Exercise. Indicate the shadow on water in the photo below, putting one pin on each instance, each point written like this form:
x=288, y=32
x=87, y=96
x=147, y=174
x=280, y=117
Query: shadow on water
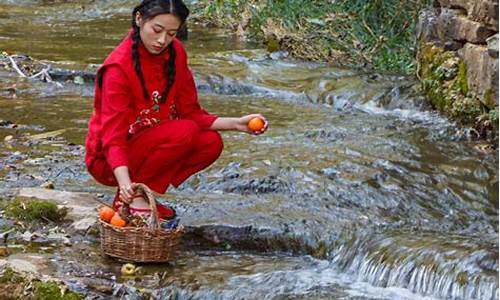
x=357, y=191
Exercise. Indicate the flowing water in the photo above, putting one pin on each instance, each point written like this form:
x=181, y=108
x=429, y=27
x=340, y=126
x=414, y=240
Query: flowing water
x=357, y=191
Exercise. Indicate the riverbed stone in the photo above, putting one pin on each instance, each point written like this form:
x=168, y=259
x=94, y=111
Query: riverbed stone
x=28, y=263
x=482, y=72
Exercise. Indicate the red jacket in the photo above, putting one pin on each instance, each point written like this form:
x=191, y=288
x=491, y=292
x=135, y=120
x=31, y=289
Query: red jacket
x=120, y=101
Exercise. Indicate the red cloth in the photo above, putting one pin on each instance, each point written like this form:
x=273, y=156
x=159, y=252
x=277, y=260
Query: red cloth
x=119, y=103
x=166, y=154
x=121, y=99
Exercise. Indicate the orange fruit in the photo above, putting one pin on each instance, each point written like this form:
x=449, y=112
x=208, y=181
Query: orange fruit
x=106, y=213
x=117, y=221
x=256, y=124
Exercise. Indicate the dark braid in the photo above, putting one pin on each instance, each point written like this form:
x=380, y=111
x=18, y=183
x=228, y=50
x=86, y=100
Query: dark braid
x=149, y=9
x=136, y=38
x=169, y=71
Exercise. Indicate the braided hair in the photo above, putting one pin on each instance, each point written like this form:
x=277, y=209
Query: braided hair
x=149, y=9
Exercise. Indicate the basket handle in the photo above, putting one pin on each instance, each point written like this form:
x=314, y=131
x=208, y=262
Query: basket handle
x=141, y=187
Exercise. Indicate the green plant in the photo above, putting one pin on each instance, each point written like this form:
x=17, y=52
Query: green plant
x=493, y=115
x=51, y=291
x=8, y=275
x=379, y=32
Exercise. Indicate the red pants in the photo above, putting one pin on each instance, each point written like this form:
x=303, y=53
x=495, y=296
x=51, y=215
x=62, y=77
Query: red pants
x=166, y=154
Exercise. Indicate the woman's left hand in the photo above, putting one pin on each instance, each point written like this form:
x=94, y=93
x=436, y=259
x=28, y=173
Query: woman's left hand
x=242, y=124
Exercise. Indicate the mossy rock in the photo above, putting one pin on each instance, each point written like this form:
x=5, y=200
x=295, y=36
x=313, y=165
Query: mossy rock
x=14, y=285
x=51, y=291
x=449, y=94
x=272, y=44
x=32, y=209
x=461, y=84
x=488, y=99
x=466, y=110
x=493, y=115
x=11, y=284
x=321, y=250
x=8, y=275
x=462, y=278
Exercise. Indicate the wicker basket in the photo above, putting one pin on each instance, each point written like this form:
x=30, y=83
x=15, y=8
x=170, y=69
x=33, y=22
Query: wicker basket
x=135, y=244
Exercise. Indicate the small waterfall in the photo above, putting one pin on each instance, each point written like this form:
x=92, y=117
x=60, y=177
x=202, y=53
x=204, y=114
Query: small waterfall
x=446, y=267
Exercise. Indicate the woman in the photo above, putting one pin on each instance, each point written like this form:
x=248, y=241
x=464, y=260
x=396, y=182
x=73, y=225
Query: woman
x=147, y=125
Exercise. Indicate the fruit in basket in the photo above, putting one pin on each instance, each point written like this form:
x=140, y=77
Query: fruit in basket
x=117, y=221
x=137, y=221
x=106, y=213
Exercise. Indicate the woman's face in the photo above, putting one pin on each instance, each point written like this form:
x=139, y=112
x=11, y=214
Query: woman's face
x=157, y=33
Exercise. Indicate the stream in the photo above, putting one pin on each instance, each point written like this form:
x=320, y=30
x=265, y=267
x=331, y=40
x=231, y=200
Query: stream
x=359, y=190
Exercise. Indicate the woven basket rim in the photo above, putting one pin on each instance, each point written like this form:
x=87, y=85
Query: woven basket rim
x=161, y=231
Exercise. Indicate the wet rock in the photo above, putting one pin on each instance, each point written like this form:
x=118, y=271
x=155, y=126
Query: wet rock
x=100, y=285
x=59, y=235
x=279, y=55
x=268, y=184
x=331, y=173
x=7, y=124
x=333, y=134
x=85, y=224
x=70, y=75
x=46, y=135
x=28, y=262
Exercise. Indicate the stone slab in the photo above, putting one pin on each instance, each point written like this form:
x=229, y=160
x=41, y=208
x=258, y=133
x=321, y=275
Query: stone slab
x=493, y=46
x=482, y=71
x=456, y=4
x=486, y=12
x=454, y=26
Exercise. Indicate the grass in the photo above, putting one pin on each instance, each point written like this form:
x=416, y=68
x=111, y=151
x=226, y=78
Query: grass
x=376, y=33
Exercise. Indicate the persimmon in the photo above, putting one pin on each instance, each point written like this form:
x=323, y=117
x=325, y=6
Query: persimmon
x=256, y=124
x=106, y=213
x=117, y=221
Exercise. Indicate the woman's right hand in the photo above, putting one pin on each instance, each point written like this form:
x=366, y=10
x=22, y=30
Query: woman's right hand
x=126, y=188
x=242, y=124
x=126, y=193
